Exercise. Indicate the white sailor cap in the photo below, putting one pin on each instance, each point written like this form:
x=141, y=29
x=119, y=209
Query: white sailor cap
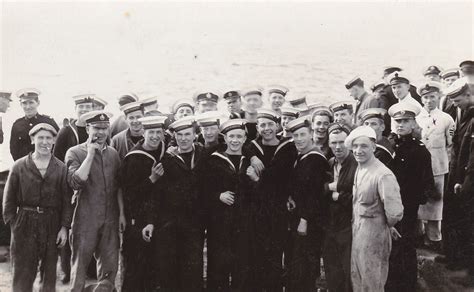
x=449, y=73
x=6, y=94
x=429, y=87
x=83, y=98
x=184, y=123
x=149, y=101
x=289, y=111
x=232, y=124
x=404, y=110
x=153, y=122
x=127, y=98
x=180, y=103
x=264, y=113
x=457, y=88
x=255, y=90
x=279, y=89
x=28, y=93
x=96, y=117
x=299, y=102
x=341, y=105
x=99, y=101
x=43, y=126
x=211, y=118
x=372, y=113
x=362, y=131
x=298, y=123
x=131, y=107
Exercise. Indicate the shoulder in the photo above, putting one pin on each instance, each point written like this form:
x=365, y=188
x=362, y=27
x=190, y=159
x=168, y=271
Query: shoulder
x=20, y=163
x=120, y=135
x=19, y=122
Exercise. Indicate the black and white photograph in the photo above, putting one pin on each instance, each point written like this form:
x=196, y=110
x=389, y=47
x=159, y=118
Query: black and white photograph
x=236, y=146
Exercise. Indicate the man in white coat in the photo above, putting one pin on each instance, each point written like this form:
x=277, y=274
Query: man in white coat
x=437, y=129
x=377, y=207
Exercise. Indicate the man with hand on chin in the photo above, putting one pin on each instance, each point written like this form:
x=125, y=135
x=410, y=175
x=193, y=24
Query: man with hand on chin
x=377, y=207
x=94, y=175
x=308, y=178
x=37, y=206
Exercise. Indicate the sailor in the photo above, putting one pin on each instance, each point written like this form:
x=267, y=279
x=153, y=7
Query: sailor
x=343, y=112
x=119, y=124
x=276, y=96
x=127, y=139
x=364, y=100
x=233, y=100
x=432, y=73
x=320, y=120
x=288, y=114
x=206, y=101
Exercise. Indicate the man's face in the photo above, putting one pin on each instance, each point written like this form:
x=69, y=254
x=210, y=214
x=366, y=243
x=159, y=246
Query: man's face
x=377, y=124
x=83, y=108
x=185, y=139
x=234, y=105
x=450, y=80
x=404, y=126
x=210, y=133
x=98, y=132
x=133, y=122
x=400, y=90
x=285, y=120
x=430, y=100
x=4, y=104
x=433, y=77
x=378, y=92
x=363, y=149
x=354, y=91
x=320, y=126
x=97, y=106
x=267, y=128
x=303, y=138
x=336, y=143
x=253, y=102
x=206, y=106
x=235, y=140
x=29, y=106
x=153, y=137
x=276, y=101
x=182, y=112
x=463, y=101
x=43, y=141
x=343, y=117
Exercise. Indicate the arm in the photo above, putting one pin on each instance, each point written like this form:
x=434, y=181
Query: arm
x=14, y=147
x=10, y=203
x=449, y=133
x=67, y=210
x=389, y=192
x=78, y=171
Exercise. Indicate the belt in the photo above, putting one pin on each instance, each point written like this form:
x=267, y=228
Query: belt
x=38, y=209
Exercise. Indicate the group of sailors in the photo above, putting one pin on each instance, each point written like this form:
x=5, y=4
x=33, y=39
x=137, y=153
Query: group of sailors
x=264, y=193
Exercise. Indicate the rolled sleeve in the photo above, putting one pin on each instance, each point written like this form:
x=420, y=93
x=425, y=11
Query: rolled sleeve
x=73, y=163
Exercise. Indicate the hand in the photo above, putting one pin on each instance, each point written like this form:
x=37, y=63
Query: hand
x=394, y=233
x=122, y=223
x=457, y=189
x=147, y=232
x=92, y=146
x=335, y=196
x=157, y=171
x=172, y=150
x=252, y=174
x=62, y=237
x=333, y=186
x=290, y=204
x=302, y=227
x=227, y=198
x=257, y=165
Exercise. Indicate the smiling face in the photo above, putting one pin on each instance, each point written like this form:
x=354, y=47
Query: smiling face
x=98, y=132
x=320, y=126
x=153, y=137
x=344, y=117
x=303, y=139
x=276, y=100
x=83, y=108
x=235, y=140
x=29, y=106
x=185, y=139
x=234, y=105
x=285, y=120
x=43, y=141
x=267, y=129
x=210, y=133
x=450, y=80
x=377, y=124
x=336, y=143
x=363, y=149
x=134, y=124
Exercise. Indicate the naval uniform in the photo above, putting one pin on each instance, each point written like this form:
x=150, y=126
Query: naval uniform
x=412, y=168
x=137, y=187
x=384, y=151
x=20, y=143
x=272, y=219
